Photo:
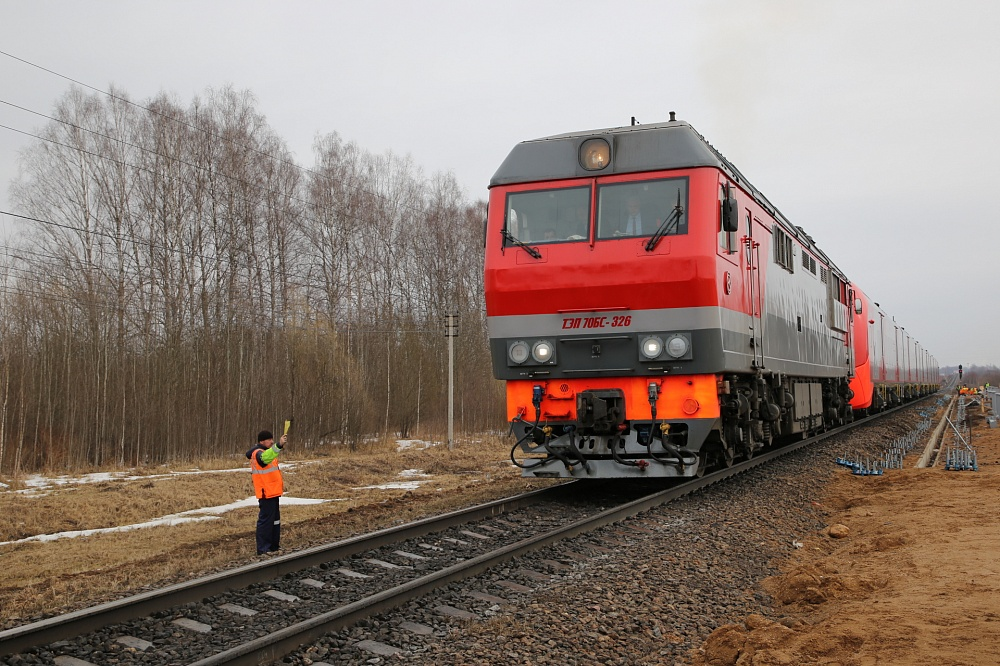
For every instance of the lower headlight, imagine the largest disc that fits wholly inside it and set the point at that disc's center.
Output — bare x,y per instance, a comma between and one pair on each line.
542,351
678,346
518,352
651,347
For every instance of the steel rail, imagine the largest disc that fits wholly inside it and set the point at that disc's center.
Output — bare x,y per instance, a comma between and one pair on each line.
82,621
273,647
932,450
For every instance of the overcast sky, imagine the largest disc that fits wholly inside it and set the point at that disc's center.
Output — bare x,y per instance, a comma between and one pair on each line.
872,125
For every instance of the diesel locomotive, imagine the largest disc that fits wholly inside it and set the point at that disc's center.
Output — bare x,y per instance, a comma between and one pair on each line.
654,315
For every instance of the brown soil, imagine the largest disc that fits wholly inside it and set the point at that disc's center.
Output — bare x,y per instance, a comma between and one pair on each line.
914,580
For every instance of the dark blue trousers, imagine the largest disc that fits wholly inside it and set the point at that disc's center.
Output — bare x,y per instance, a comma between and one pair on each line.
268,525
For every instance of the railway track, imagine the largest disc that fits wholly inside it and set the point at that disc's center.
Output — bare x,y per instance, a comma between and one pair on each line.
328,588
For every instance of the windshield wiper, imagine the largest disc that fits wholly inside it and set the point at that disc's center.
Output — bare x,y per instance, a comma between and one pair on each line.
667,226
527,248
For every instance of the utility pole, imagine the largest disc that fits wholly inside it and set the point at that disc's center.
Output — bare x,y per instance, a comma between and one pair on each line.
451,332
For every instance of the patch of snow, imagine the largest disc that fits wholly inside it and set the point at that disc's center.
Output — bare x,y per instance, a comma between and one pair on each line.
397,485
36,482
413,472
192,516
403,444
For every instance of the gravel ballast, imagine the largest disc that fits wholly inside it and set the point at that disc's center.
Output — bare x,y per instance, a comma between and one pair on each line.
647,590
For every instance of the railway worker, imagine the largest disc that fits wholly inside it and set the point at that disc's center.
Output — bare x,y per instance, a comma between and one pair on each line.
633,222
268,487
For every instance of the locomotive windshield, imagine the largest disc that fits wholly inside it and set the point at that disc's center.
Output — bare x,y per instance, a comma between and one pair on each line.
639,209
549,216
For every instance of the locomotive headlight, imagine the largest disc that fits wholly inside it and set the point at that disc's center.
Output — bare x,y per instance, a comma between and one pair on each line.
518,352
595,154
678,346
542,351
651,347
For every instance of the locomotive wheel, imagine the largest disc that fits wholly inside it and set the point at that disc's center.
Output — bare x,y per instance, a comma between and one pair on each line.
728,456
702,464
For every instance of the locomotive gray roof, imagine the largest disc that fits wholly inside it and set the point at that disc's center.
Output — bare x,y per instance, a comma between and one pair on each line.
671,145
634,148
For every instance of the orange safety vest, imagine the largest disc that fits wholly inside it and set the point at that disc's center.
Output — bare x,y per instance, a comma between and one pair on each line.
267,479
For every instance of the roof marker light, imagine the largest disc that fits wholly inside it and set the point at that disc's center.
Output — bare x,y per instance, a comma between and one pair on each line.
595,154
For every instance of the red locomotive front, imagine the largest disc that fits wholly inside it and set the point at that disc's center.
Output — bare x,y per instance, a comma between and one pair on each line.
628,296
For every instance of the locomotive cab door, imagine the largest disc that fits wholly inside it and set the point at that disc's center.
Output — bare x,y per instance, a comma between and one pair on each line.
744,287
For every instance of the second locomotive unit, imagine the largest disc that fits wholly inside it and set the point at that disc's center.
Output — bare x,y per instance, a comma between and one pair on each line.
654,315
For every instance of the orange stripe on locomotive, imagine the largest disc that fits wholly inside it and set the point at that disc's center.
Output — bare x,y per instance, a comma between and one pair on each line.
682,398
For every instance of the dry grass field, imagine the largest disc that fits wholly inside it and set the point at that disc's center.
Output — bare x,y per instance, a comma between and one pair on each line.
59,575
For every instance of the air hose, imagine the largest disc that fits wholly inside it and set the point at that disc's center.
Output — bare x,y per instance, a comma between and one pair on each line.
573,449
536,401
664,431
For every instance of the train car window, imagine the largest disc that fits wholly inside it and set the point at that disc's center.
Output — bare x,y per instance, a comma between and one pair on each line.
639,209
727,239
549,216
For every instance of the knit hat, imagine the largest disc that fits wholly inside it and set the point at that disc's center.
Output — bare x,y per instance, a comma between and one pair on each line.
263,435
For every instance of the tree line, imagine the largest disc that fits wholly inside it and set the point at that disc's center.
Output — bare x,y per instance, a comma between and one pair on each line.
178,282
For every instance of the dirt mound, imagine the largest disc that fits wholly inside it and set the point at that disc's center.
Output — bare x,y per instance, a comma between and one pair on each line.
814,584
761,642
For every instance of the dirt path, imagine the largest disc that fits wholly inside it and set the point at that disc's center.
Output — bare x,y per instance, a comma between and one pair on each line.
915,581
